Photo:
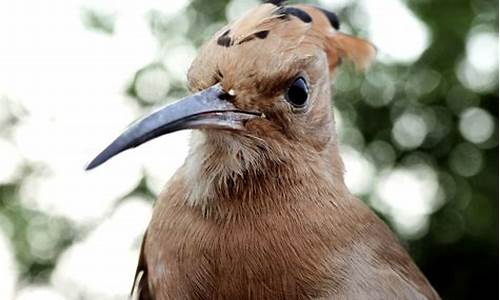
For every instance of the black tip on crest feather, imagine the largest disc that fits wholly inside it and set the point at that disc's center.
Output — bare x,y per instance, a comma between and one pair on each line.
224,40
276,2
297,12
332,17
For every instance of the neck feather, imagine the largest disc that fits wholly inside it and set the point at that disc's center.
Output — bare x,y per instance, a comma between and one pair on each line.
224,169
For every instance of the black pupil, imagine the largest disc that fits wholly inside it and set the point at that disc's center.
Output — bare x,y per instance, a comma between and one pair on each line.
298,92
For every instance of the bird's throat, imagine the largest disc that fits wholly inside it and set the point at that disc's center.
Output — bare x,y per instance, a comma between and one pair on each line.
222,168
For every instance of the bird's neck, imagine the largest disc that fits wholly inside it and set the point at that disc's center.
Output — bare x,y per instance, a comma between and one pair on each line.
221,173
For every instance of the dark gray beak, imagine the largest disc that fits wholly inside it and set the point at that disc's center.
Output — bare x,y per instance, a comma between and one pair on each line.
207,109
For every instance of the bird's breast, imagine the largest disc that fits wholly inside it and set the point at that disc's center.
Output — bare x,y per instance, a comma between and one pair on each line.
320,245
277,256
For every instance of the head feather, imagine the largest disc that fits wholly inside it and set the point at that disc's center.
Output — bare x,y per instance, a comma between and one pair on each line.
283,37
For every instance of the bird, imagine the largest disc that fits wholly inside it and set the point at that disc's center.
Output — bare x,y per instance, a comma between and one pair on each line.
260,209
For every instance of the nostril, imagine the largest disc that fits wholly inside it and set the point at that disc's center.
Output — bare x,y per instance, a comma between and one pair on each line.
228,96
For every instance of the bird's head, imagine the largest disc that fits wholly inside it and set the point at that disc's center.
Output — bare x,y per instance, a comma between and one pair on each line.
261,86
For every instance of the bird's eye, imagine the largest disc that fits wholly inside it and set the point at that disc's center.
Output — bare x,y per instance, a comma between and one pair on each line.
297,93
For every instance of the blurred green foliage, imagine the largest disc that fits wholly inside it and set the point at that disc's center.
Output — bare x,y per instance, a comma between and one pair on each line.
459,253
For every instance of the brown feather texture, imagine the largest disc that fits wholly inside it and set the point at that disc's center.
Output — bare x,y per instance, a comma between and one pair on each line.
263,213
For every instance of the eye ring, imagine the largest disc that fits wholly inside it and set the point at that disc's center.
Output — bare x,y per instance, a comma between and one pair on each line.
297,94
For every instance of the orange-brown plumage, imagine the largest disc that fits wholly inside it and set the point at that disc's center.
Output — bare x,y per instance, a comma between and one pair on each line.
262,212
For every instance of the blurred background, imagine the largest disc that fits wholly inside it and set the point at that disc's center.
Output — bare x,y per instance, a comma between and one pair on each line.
419,133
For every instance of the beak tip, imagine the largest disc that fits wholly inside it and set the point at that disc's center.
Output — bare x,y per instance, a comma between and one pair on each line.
113,149
97,161
90,166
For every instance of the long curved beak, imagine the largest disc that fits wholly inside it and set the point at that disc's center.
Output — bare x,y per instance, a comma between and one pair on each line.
206,109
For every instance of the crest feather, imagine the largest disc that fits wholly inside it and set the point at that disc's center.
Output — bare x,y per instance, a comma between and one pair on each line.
291,25
337,45
259,22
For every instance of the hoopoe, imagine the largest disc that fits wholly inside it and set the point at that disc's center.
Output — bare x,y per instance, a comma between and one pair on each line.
259,210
